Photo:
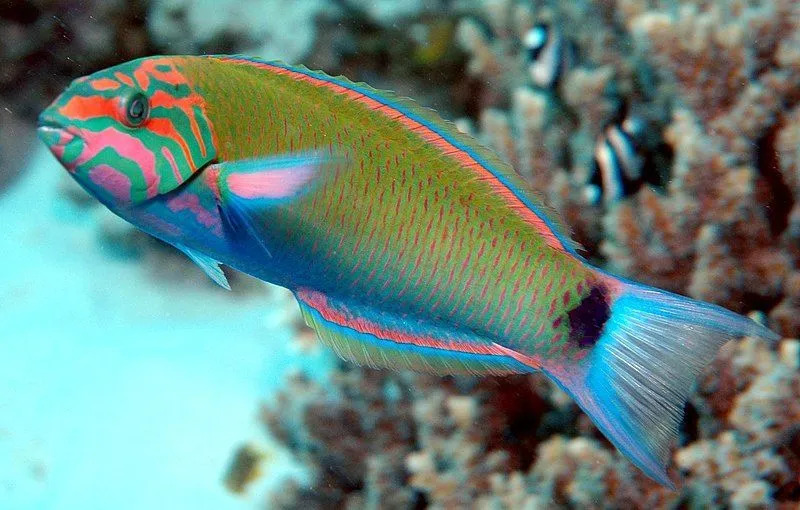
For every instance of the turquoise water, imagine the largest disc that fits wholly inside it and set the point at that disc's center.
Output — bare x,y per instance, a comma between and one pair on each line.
117,390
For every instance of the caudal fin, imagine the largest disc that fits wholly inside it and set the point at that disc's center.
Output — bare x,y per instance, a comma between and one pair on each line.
636,380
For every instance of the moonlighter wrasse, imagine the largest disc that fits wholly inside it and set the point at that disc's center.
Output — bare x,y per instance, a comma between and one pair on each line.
406,243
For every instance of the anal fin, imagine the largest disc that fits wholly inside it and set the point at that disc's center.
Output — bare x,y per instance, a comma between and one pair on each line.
381,339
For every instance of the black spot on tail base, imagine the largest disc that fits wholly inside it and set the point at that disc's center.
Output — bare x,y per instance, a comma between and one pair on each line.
586,320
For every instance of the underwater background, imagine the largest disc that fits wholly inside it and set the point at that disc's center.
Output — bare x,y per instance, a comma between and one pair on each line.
129,380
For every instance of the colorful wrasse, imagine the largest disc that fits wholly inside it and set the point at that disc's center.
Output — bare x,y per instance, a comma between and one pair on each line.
406,243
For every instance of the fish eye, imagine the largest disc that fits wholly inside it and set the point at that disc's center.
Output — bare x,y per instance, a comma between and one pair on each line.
536,38
136,110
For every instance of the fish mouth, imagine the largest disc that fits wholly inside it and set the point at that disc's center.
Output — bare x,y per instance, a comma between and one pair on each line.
53,135
50,131
56,137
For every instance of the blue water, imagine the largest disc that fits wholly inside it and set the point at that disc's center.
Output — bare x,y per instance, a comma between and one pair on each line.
116,389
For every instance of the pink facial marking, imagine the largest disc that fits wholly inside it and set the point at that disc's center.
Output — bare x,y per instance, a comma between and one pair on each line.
191,202
113,181
59,147
280,183
128,147
172,164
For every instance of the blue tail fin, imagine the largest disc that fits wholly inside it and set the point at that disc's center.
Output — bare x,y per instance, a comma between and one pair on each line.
636,380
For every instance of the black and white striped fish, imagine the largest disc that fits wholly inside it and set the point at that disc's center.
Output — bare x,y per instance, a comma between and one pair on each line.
618,162
549,54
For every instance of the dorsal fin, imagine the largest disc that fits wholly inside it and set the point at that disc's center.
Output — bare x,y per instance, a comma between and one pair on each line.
486,164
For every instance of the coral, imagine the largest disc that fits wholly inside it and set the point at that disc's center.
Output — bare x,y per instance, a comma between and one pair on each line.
191,26
748,404
770,406
329,431
786,314
734,88
712,50
647,224
377,436
378,439
726,470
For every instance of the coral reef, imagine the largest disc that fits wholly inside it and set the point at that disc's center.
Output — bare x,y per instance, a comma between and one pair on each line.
377,439
252,27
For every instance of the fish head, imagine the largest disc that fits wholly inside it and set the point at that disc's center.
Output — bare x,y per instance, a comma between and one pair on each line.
130,132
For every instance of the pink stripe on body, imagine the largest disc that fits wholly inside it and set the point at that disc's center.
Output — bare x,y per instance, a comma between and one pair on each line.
319,302
113,181
128,147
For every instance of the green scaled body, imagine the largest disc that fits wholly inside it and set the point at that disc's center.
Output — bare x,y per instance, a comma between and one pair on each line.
406,243
400,225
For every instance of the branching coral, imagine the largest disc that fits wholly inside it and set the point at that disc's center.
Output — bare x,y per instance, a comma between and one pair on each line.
377,439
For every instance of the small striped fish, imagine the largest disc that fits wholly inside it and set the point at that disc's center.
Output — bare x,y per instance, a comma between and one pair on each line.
406,243
549,54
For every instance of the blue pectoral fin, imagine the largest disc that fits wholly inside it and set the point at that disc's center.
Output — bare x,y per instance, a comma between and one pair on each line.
208,265
381,339
242,223
248,188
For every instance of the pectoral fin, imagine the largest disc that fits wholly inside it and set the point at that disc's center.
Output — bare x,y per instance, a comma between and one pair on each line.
270,178
208,265
246,188
367,336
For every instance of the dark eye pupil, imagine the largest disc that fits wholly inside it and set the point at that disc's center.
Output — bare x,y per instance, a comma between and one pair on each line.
137,110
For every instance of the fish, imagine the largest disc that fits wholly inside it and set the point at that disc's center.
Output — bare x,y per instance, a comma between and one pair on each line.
619,161
406,243
548,53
